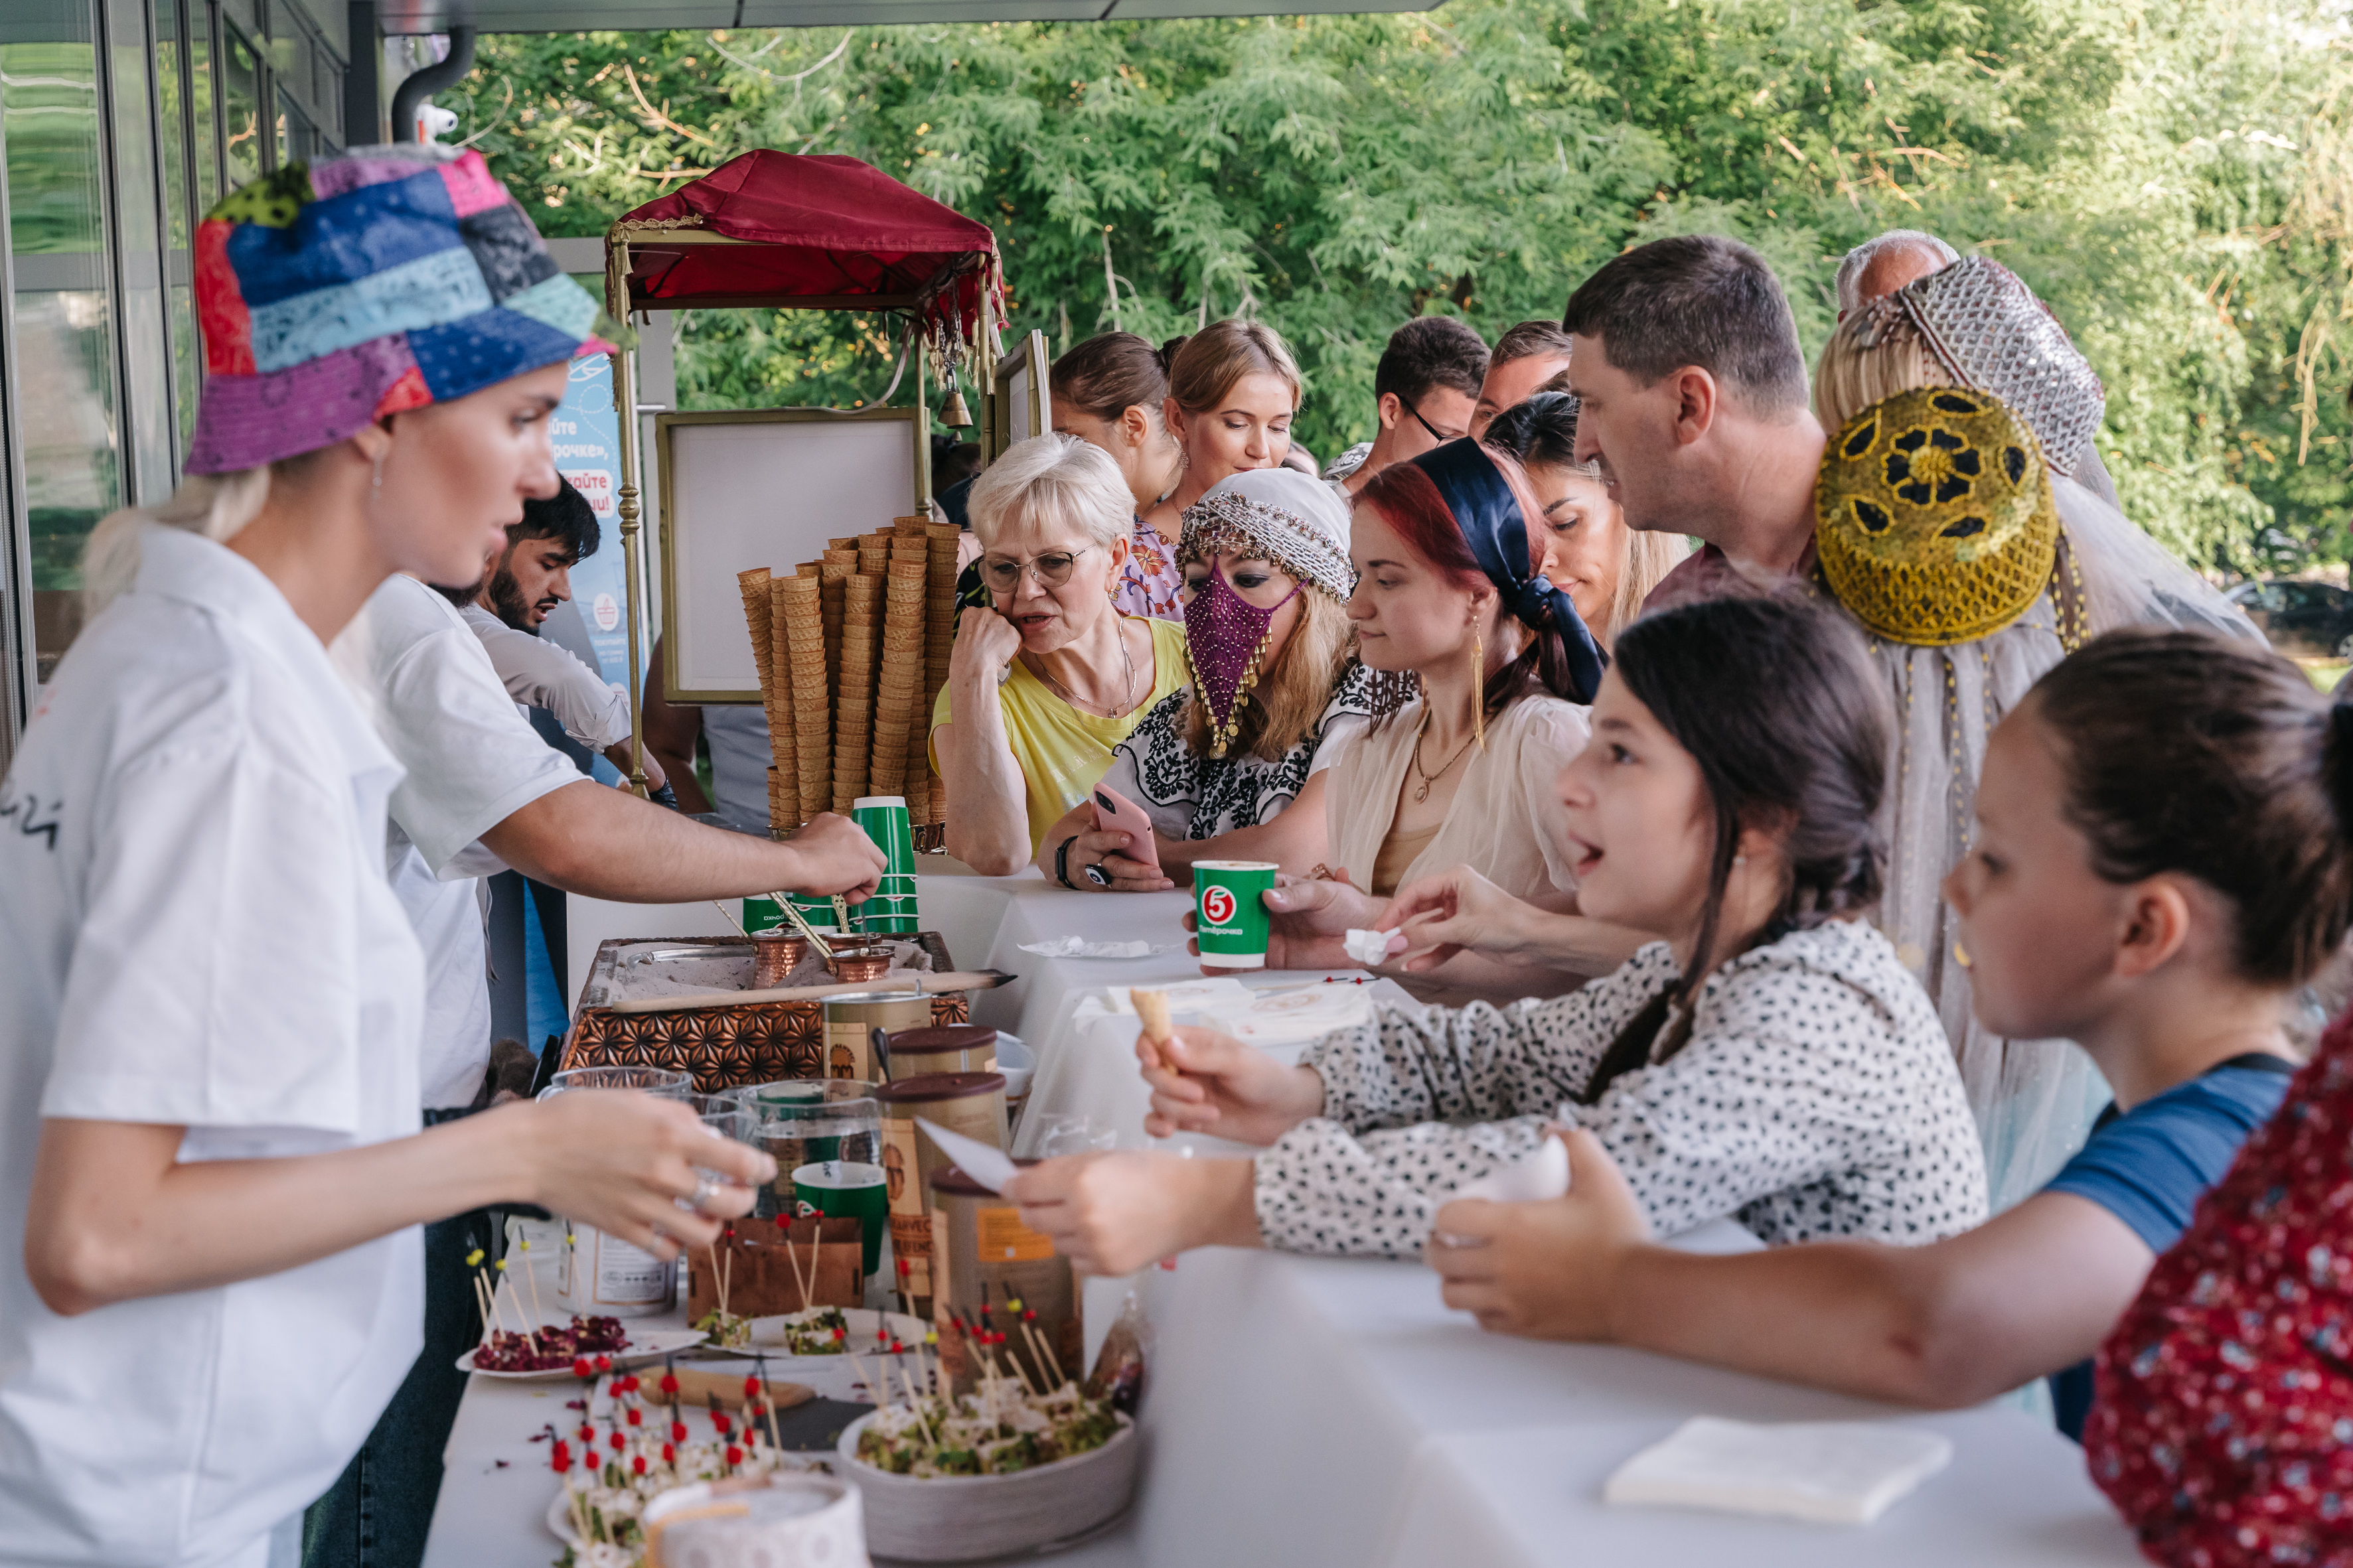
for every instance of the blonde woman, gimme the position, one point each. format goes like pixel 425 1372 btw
pixel 1233 391
pixel 1605 568
pixel 1048 676
pixel 1234 766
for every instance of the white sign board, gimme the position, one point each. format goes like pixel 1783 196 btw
pixel 762 488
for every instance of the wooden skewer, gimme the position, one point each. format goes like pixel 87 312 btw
pixel 537 1312
pixel 723 910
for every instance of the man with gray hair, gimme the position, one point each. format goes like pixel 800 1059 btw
pixel 1886 262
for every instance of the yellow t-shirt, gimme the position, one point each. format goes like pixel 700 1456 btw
pixel 1061 751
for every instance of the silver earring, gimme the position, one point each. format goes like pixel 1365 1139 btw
pixel 377 483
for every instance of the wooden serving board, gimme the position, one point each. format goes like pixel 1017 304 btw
pixel 697 1385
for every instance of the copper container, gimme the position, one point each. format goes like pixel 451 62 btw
pixel 960 1047
pixel 727 1043
pixel 774 955
pixel 860 964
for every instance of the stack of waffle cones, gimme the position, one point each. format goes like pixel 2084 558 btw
pixel 900 686
pixel 853 713
pixel 801 618
pixel 852 651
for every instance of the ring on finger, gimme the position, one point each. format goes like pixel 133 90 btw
pixel 706 1188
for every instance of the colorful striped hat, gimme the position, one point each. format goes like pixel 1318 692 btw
pixel 333 293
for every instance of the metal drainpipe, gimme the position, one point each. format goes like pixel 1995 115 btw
pixel 421 85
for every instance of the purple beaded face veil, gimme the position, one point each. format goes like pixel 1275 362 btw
pixel 1277 515
pixel 1225 640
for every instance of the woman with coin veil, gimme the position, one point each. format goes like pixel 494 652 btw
pixel 1448 592
pixel 211 1172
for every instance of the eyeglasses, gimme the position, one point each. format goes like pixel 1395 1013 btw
pixel 1435 433
pixel 1003 572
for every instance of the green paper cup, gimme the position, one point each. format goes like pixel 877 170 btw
pixel 1230 908
pixel 891 911
pixel 839 1188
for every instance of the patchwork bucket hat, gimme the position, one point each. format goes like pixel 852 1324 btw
pixel 333 293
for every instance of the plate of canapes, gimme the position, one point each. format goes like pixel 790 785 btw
pixel 579 1349
pixel 816 1332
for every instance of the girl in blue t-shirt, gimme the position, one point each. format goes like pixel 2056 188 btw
pixel 2160 862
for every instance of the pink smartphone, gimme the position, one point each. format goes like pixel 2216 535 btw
pixel 1115 812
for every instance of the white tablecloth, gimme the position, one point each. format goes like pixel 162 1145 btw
pixel 1310 1411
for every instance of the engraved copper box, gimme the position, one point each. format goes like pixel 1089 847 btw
pixel 723 1044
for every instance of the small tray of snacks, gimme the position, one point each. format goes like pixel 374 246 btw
pixel 821 1332
pixel 562 1351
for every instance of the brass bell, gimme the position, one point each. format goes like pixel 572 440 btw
pixel 955 415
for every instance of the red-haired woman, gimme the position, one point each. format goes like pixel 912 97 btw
pixel 1465 774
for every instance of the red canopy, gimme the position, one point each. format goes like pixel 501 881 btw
pixel 818 231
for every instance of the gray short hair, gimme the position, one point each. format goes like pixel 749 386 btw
pixel 1056 481
pixel 1850 269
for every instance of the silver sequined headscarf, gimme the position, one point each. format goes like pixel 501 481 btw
pixel 1987 328
pixel 1280 515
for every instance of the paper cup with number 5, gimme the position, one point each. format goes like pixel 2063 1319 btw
pixel 1229 906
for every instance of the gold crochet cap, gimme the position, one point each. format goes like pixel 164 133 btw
pixel 1933 516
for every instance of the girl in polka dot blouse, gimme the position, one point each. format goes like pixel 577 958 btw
pixel 1769 1060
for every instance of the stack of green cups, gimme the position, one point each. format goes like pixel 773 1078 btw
pixel 891 911
pixel 764 913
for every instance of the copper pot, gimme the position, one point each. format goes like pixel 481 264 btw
pixel 860 964
pixel 774 955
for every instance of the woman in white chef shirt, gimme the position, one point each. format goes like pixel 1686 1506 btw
pixel 210 1168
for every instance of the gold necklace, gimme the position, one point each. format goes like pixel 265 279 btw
pixel 1126 693
pixel 1429 778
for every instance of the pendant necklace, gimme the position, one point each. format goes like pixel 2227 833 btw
pixel 1126 692
pixel 1429 778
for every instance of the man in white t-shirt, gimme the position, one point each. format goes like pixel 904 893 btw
pixel 483 793
pixel 521 585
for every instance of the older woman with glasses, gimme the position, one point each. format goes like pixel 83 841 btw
pixel 1048 676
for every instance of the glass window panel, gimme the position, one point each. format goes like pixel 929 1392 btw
pixel 240 86
pixel 65 351
pixel 298 140
pixel 176 113
pixel 204 109
pixel 139 206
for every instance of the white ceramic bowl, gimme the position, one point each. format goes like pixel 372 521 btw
pixel 961 1519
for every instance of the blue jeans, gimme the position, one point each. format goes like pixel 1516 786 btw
pixel 377 1513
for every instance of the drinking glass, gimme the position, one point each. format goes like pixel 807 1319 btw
pixel 1059 1135
pixel 805 1122
pixel 663 1081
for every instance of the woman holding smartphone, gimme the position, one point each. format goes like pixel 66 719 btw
pixel 211 1175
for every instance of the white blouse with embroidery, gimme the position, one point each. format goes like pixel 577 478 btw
pixel 1815 1097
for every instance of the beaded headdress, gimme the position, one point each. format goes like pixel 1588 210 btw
pixel 1987 328
pixel 336 292
pixel 1276 515
pixel 1933 517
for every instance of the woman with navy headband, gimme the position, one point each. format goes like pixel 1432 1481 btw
pixel 211 1174
pixel 1461 780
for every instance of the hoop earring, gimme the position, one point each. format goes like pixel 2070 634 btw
pixel 1478 688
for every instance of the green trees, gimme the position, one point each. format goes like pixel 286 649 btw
pixel 2160 172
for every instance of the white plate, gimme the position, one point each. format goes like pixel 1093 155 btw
pixel 650 1345
pixel 769 1335
pixel 559 1517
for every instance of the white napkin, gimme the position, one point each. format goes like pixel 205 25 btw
pixel 1828 1472
pixel 1371 947
pixel 1291 1018
pixel 1079 947
pixel 1185 995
